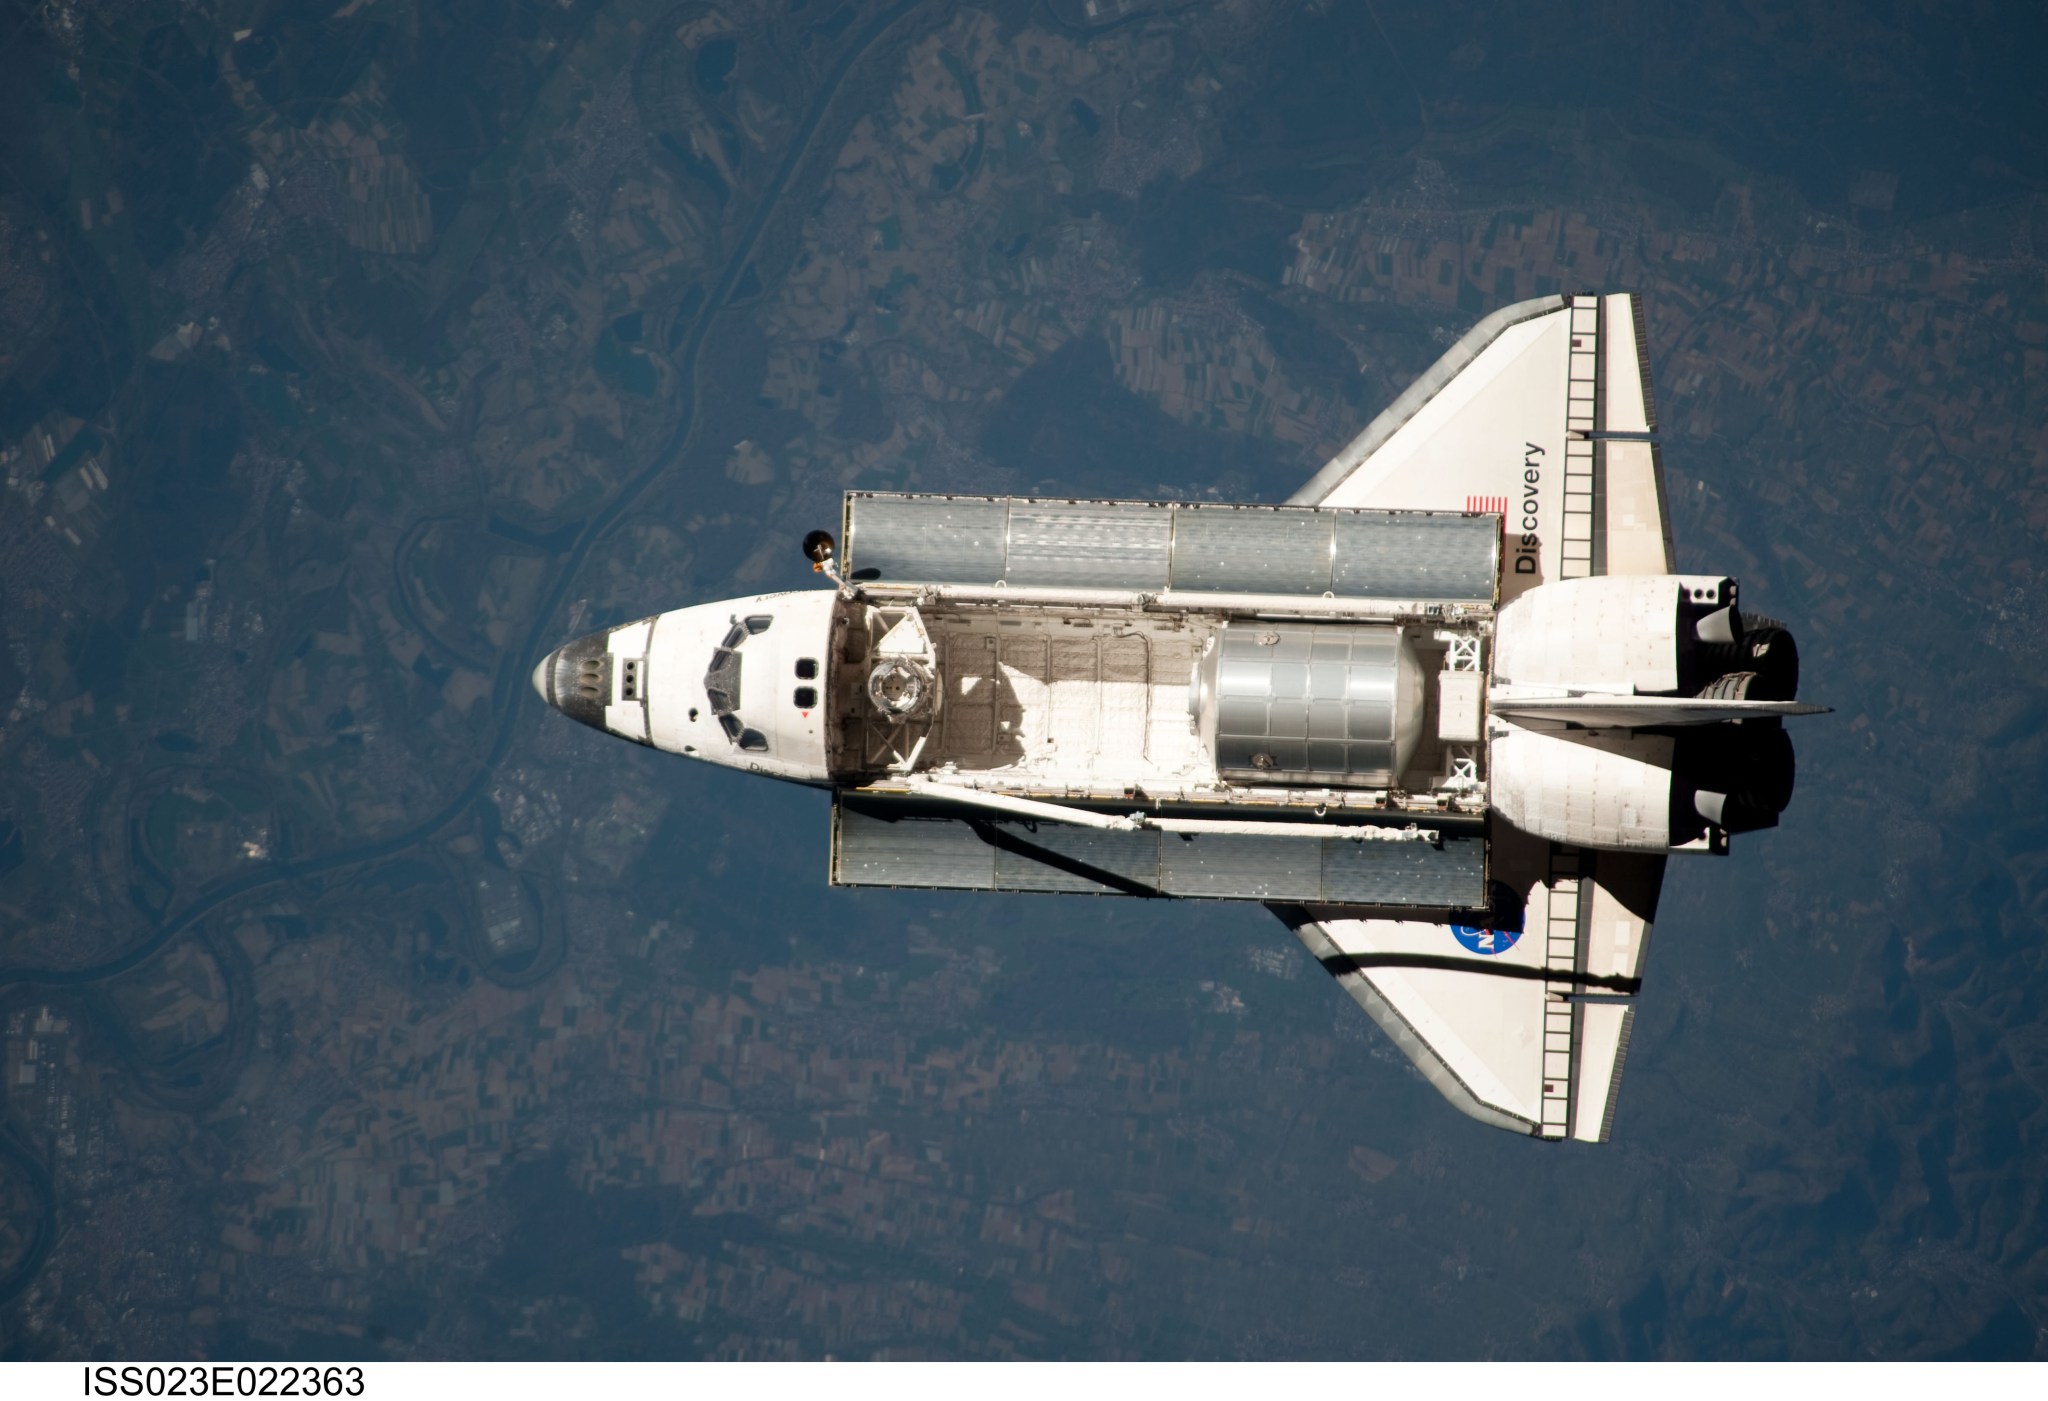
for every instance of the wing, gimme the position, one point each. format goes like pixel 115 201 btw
pixel 1521 1019
pixel 1542 413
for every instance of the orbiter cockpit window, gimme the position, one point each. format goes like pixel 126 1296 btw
pixel 722 683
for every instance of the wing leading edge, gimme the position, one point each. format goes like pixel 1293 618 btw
pixel 1543 413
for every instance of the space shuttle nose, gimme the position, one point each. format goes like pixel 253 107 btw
pixel 576 678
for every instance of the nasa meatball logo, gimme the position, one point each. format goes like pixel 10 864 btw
pixel 1502 928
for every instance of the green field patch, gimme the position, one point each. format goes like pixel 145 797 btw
pixel 185 829
pixel 271 397
pixel 622 369
pixel 242 795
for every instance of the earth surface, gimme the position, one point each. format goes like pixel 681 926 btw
pixel 354 355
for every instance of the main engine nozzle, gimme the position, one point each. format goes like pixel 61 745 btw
pixel 1740 776
pixel 1739 657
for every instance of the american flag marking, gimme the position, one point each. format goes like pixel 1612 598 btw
pixel 1496 504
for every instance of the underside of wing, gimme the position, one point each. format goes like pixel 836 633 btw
pixel 1541 413
pixel 1521 1016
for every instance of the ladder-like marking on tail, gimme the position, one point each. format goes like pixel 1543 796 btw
pixel 1560 955
pixel 1582 402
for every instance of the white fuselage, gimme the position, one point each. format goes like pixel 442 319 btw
pixel 1565 714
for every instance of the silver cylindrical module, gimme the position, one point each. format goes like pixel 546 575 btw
pixel 1332 703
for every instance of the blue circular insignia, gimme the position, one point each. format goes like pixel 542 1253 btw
pixel 1502 928
pixel 1488 941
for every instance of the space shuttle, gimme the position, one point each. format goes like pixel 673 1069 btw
pixel 1446 712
